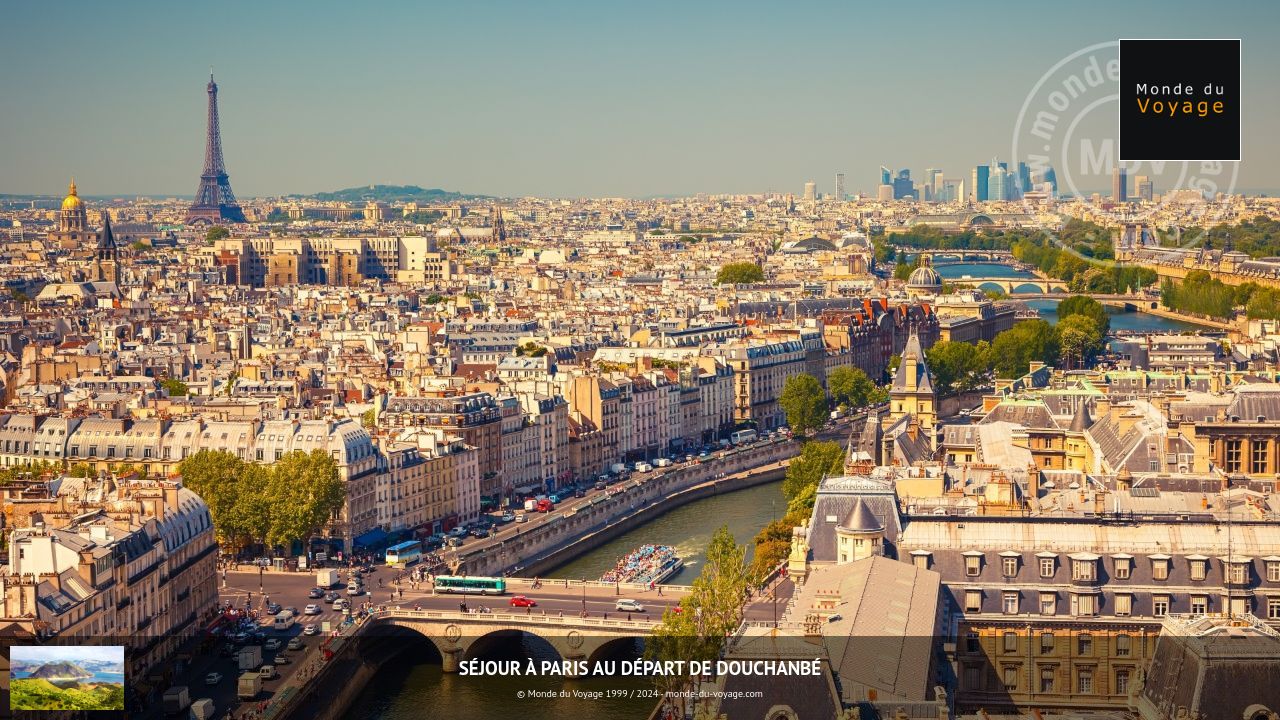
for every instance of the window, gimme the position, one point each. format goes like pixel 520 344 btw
pixel 1124 605
pixel 1011 673
pixel 1123 566
pixel 1084 681
pixel 972 600
pixel 1009 566
pixel 1238 573
pixel 1082 570
pixel 973 677
pixel 1160 569
pixel 1123 644
pixel 1083 605
pixel 1046 567
pixel 1048 603
pixel 1273 571
pixel 972 565
pixel 971 643
pixel 1084 644
pixel 1199 568
pixel 1239 605
pixel 1010 603
pixel 1046 643
pixel 1258 460
pixel 921 561
pixel 1233 455
pixel 1046 680
pixel 1122 681
pixel 1199 604
pixel 1160 605
pixel 1273 608
pixel 1010 642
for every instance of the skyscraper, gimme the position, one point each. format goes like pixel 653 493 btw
pixel 902 185
pixel 981 178
pixel 1119 185
pixel 1051 177
pixel 839 186
pixel 1024 177
pixel 1143 188
pixel 886 177
pixel 810 191
pixel 998 184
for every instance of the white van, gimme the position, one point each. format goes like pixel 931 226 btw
pixel 284 620
pixel 354 588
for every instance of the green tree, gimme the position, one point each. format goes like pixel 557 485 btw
pixel 1080 339
pixel 1015 348
pixel 851 387
pixel 815 461
pixel 215 233
pixel 804 402
pixel 1087 306
pixel 742 273
pixel 434 299
pixel 711 612
pixel 369 418
pixel 958 365
pixel 223 481
pixel 175 387
pixel 304 492
pixel 81 470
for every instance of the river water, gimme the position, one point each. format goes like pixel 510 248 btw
pixel 414 686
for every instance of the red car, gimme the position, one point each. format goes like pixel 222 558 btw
pixel 522 601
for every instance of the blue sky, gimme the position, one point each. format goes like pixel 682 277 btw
pixel 557 98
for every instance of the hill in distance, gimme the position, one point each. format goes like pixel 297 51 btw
pixel 393 193
pixel 60 671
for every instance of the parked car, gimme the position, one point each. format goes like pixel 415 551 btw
pixel 628 605
pixel 520 518
pixel 213 678
pixel 522 601
pixel 508 517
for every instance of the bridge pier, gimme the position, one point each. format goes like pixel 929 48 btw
pixel 450 659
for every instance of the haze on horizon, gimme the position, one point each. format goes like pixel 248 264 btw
pixel 566 99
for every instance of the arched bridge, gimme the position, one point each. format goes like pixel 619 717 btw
pixel 1014 286
pixel 958 256
pixel 460 636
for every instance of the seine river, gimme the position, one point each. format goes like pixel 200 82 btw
pixel 413 687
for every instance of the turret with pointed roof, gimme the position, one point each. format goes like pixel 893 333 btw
pixel 912 393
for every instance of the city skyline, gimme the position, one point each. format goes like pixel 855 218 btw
pixel 510 101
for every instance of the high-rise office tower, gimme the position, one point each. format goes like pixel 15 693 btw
pixel 1119 185
pixel 980 181
pixel 902 185
pixel 839 187
pixel 998 184
pixel 886 177
pixel 1024 178
pixel 1143 188
pixel 1051 177
pixel 810 191
pixel 938 183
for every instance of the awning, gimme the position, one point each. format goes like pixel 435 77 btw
pixel 371 538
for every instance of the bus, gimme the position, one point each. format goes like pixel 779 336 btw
pixel 743 436
pixel 471 585
pixel 406 553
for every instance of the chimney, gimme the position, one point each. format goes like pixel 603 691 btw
pixel 85 568
pixel 1102 407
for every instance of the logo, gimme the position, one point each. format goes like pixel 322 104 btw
pixel 1067 132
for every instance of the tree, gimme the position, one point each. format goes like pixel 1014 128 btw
pixel 1015 348
pixel 850 387
pixel 434 299
pixel 815 461
pixel 957 365
pixel 304 491
pixel 369 418
pixel 804 402
pixel 175 387
pixel 215 233
pixel 741 273
pixel 221 479
pixel 1088 307
pixel 1079 338
pixel 711 612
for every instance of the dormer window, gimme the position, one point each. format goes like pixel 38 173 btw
pixel 1084 566
pixel 1009 564
pixel 972 563
pixel 1160 567
pixel 1199 565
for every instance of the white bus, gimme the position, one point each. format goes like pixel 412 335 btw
pixel 742 437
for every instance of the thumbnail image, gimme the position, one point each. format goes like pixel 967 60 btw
pixel 76 677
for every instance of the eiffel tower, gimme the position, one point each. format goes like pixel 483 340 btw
pixel 214 200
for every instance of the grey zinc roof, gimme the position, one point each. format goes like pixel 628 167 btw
pixel 900 379
pixel 861 519
pixel 836 498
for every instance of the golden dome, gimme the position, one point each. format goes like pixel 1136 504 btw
pixel 72 201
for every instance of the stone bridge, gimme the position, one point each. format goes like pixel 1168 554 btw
pixel 942 257
pixel 459 636
pixel 1014 286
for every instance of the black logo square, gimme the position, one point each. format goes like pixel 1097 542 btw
pixel 1180 100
